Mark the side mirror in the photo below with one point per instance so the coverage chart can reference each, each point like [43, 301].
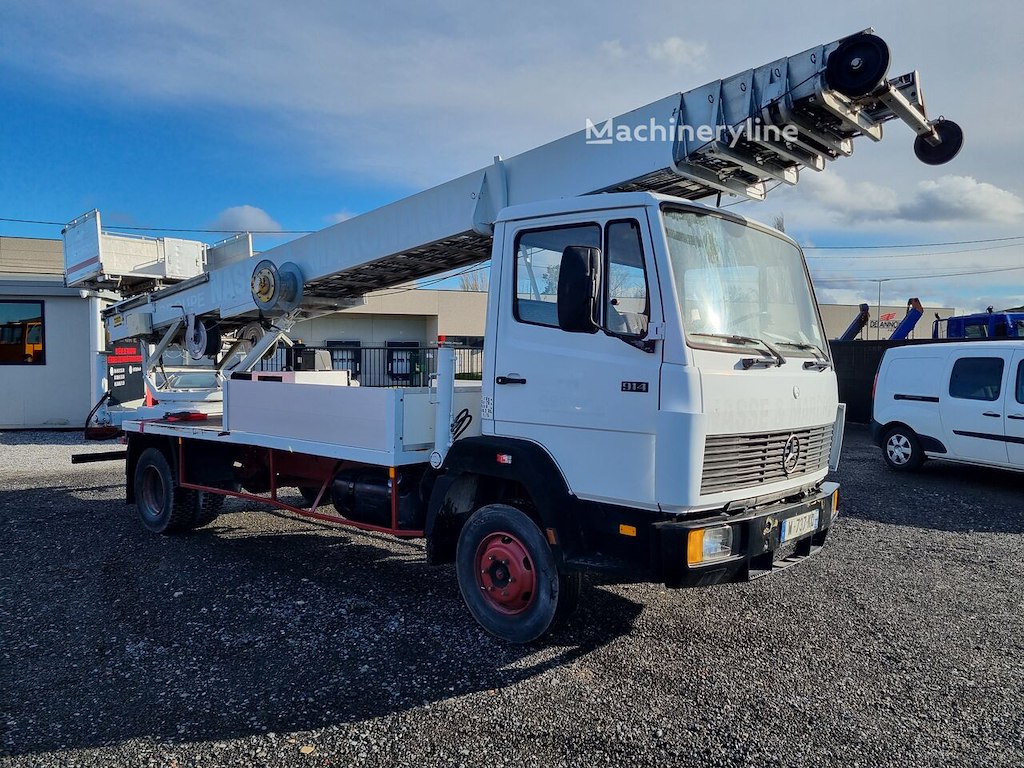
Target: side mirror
[579, 289]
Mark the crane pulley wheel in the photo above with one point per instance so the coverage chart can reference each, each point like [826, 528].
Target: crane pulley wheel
[251, 334]
[202, 339]
[858, 65]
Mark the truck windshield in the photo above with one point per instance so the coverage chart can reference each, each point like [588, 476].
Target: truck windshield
[738, 286]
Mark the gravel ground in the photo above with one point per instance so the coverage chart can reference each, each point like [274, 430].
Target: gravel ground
[270, 641]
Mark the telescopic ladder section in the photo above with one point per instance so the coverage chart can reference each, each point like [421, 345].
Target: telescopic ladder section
[735, 136]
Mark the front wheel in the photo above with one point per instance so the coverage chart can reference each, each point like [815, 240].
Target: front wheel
[508, 575]
[902, 449]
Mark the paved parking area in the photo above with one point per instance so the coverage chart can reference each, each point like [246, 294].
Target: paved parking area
[265, 640]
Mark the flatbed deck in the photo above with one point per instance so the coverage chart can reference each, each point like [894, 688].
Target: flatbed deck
[382, 427]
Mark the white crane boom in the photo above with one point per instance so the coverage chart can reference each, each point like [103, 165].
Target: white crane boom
[732, 136]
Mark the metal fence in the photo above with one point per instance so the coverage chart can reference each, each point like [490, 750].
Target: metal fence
[398, 365]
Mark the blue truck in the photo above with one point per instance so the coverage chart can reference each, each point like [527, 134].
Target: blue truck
[982, 325]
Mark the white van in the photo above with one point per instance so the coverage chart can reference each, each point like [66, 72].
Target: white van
[961, 401]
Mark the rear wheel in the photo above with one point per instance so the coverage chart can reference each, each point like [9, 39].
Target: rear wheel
[206, 507]
[163, 506]
[310, 492]
[902, 449]
[508, 576]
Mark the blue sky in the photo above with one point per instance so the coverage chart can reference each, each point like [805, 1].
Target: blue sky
[264, 115]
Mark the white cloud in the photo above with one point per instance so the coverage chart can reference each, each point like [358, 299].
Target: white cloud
[946, 200]
[856, 201]
[614, 49]
[340, 216]
[954, 199]
[245, 218]
[678, 53]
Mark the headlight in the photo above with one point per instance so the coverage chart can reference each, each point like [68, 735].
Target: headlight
[707, 545]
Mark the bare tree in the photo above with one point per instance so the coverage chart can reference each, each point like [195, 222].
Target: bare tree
[475, 280]
[779, 222]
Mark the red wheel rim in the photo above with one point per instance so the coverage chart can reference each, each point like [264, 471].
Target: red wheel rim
[505, 573]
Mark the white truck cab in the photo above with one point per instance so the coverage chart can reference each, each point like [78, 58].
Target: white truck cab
[961, 401]
[704, 331]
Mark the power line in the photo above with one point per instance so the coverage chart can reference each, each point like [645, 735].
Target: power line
[907, 245]
[435, 280]
[915, 255]
[910, 277]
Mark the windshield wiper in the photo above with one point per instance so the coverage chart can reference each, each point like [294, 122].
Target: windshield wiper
[821, 362]
[772, 353]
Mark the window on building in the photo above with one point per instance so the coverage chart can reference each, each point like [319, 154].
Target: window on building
[977, 378]
[22, 333]
[403, 360]
[346, 355]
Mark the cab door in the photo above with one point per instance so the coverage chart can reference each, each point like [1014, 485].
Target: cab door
[1014, 411]
[972, 407]
[589, 399]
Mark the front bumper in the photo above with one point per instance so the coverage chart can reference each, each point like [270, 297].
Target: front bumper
[757, 549]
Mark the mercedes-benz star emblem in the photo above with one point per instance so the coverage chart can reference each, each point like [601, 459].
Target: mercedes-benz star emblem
[791, 454]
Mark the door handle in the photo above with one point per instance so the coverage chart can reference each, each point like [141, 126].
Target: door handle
[509, 380]
[1019, 416]
[993, 414]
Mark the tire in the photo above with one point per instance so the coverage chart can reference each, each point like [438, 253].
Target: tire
[309, 494]
[902, 450]
[570, 587]
[163, 506]
[508, 576]
[206, 508]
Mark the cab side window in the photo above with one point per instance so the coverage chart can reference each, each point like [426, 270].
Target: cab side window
[976, 378]
[1020, 382]
[627, 305]
[538, 257]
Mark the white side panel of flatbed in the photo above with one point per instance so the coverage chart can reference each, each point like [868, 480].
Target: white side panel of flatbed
[361, 417]
[384, 427]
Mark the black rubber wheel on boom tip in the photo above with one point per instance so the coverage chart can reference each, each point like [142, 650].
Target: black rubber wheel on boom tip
[508, 576]
[163, 506]
[951, 140]
[858, 65]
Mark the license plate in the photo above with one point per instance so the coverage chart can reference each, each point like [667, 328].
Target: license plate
[798, 526]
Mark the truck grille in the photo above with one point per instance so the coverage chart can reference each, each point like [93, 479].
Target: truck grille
[748, 461]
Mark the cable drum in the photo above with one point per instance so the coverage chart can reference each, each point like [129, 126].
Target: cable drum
[277, 289]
